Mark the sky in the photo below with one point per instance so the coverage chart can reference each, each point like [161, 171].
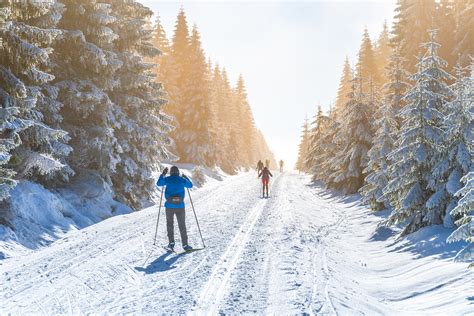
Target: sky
[290, 53]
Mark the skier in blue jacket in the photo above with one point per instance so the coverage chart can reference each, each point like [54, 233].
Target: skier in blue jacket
[174, 194]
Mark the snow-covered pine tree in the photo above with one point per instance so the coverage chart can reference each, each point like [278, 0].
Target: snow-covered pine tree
[455, 159]
[196, 133]
[12, 125]
[176, 81]
[367, 70]
[245, 123]
[412, 19]
[354, 137]
[32, 144]
[386, 132]
[383, 51]
[344, 87]
[324, 168]
[141, 127]
[445, 167]
[236, 119]
[418, 145]
[373, 97]
[228, 112]
[160, 41]
[303, 148]
[313, 161]
[221, 96]
[465, 210]
[85, 68]
[219, 150]
[314, 140]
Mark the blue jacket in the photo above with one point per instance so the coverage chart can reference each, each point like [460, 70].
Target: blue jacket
[174, 186]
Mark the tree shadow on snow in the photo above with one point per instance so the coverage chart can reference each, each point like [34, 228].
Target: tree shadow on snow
[334, 195]
[161, 264]
[382, 233]
[429, 241]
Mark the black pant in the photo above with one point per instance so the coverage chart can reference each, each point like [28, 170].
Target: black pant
[181, 217]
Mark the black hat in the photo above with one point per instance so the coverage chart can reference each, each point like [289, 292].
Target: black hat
[174, 171]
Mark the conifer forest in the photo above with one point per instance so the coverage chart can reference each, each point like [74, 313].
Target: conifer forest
[118, 116]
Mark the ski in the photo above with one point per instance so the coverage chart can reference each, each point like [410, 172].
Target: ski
[189, 251]
[182, 252]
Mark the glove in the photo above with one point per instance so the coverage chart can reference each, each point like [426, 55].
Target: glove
[184, 177]
[165, 171]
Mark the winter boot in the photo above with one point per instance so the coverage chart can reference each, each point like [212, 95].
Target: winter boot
[171, 246]
[187, 248]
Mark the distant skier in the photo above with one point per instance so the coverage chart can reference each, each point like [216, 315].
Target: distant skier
[265, 174]
[259, 166]
[281, 165]
[174, 194]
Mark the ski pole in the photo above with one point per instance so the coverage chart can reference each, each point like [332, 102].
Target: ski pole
[195, 216]
[158, 219]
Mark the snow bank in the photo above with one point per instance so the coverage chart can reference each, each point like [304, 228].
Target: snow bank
[37, 216]
[380, 274]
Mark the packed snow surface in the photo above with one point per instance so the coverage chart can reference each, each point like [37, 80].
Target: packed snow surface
[303, 250]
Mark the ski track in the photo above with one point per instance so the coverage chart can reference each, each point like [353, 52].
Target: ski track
[214, 290]
[283, 255]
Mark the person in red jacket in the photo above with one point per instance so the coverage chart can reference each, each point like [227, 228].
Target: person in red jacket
[265, 174]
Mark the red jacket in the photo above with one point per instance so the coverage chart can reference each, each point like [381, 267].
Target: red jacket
[265, 174]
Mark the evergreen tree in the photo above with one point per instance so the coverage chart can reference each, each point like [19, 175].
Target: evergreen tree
[160, 41]
[196, 133]
[10, 103]
[314, 161]
[387, 128]
[177, 79]
[323, 160]
[455, 159]
[354, 137]
[344, 87]
[32, 144]
[418, 145]
[314, 139]
[412, 20]
[373, 97]
[141, 126]
[303, 147]
[216, 99]
[383, 52]
[85, 68]
[367, 70]
[221, 97]
[465, 210]
[246, 124]
[229, 114]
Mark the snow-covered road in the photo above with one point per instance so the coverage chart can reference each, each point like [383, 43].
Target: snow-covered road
[304, 250]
